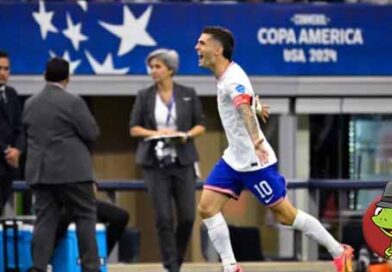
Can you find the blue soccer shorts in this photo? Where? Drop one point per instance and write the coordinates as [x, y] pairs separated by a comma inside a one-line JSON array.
[[266, 184]]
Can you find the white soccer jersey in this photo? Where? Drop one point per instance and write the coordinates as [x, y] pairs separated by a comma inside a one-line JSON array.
[[240, 154]]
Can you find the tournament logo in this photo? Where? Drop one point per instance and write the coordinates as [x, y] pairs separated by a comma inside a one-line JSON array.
[[377, 224], [240, 88]]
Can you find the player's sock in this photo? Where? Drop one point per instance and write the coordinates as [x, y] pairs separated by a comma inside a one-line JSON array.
[[220, 238], [313, 229]]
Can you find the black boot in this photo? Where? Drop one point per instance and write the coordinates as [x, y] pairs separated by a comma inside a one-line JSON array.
[[173, 268]]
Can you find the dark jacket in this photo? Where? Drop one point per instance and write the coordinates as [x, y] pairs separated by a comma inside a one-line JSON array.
[[189, 114], [11, 132], [59, 128]]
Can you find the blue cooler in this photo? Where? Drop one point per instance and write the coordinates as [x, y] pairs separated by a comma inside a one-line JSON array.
[[25, 234], [66, 255]]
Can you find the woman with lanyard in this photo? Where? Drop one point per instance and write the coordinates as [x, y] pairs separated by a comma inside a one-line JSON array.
[[167, 117]]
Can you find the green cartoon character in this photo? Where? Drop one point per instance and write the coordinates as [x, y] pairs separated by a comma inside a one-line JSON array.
[[382, 217]]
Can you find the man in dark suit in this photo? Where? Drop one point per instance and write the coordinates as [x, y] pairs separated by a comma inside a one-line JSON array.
[[59, 128], [114, 218], [11, 135]]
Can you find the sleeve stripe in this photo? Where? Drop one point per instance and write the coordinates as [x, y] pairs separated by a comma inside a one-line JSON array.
[[241, 99]]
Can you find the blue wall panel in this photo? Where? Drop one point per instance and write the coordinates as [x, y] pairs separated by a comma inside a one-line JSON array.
[[112, 38]]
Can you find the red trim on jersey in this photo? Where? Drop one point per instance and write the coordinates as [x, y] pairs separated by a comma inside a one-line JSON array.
[[241, 99]]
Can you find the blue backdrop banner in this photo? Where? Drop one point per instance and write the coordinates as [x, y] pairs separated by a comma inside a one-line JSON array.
[[271, 39]]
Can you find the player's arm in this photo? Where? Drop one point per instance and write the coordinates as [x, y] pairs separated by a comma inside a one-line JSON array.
[[242, 103]]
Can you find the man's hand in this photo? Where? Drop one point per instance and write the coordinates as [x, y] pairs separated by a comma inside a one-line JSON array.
[[261, 151], [262, 110], [95, 188], [12, 155]]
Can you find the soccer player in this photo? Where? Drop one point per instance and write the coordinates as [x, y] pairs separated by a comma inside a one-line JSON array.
[[249, 161]]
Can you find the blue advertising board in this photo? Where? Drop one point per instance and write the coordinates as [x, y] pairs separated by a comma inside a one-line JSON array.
[[271, 39]]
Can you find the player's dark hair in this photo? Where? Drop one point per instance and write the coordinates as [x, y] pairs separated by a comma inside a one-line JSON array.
[[4, 54], [224, 37]]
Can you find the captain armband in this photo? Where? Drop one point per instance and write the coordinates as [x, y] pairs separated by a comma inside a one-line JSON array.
[[242, 99]]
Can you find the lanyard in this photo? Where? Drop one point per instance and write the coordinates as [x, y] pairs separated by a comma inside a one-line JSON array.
[[169, 109]]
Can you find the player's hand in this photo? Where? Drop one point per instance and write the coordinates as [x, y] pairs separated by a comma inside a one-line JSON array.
[[262, 110], [261, 151]]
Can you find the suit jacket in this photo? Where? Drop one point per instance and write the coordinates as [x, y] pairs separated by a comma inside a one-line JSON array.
[[59, 128], [189, 113], [11, 132]]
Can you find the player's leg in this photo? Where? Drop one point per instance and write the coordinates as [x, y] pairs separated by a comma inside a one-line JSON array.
[[210, 207], [219, 188], [270, 188], [286, 214]]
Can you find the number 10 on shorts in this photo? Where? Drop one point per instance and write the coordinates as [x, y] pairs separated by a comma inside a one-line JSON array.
[[264, 189]]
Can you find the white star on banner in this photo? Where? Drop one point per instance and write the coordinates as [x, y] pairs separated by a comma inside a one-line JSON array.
[[72, 64], [106, 67], [132, 32], [82, 4], [44, 20], [73, 32]]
